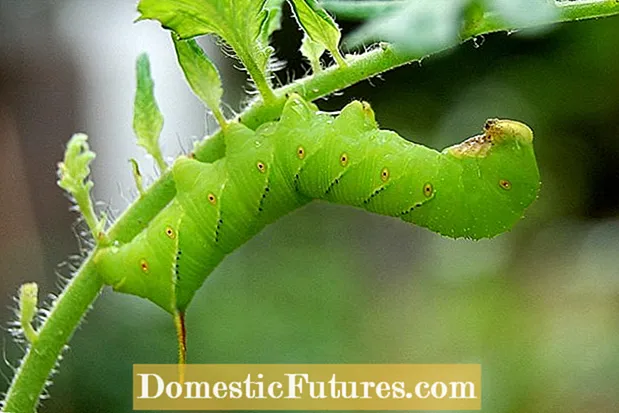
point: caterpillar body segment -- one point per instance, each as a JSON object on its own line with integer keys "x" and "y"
{"x": 146, "y": 266}
{"x": 475, "y": 189}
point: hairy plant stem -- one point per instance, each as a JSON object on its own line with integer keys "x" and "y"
{"x": 67, "y": 311}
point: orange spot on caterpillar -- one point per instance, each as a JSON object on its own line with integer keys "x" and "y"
{"x": 169, "y": 231}
{"x": 505, "y": 184}
{"x": 384, "y": 174}
{"x": 344, "y": 159}
{"x": 144, "y": 266}
{"x": 428, "y": 190}
{"x": 212, "y": 199}
{"x": 261, "y": 167}
{"x": 301, "y": 152}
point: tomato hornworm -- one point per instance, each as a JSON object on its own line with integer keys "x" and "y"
{"x": 476, "y": 189}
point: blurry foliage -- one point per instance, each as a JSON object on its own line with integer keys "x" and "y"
{"x": 425, "y": 26}
{"x": 538, "y": 307}
{"x": 417, "y": 26}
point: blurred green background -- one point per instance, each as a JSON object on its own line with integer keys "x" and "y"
{"x": 537, "y": 307}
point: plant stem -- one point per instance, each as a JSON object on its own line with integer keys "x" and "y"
{"x": 71, "y": 306}
{"x": 257, "y": 75}
{"x": 334, "y": 78}
{"x": 574, "y": 11}
{"x": 80, "y": 293}
{"x": 84, "y": 204}
{"x": 568, "y": 11}
{"x": 158, "y": 156}
{"x": 41, "y": 357}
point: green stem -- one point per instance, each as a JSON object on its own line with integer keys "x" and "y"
{"x": 592, "y": 10}
{"x": 313, "y": 87}
{"x": 158, "y": 156}
{"x": 570, "y": 11}
{"x": 71, "y": 306}
{"x": 257, "y": 75}
{"x": 263, "y": 86}
{"x": 220, "y": 118}
{"x": 41, "y": 357}
{"x": 84, "y": 204}
{"x": 80, "y": 293}
{"x": 339, "y": 59}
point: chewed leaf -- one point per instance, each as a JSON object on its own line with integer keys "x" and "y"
{"x": 147, "y": 118}
{"x": 319, "y": 26}
{"x": 244, "y": 24}
{"x": 201, "y": 74}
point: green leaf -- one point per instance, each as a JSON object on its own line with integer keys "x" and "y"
{"x": 73, "y": 174}
{"x": 424, "y": 26}
{"x": 74, "y": 170}
{"x": 137, "y": 176}
{"x": 524, "y": 13}
{"x": 312, "y": 51}
{"x": 147, "y": 118}
{"x": 201, "y": 74}
{"x": 319, "y": 26}
{"x": 362, "y": 10}
{"x": 272, "y": 21}
{"x": 244, "y": 24}
{"x": 28, "y": 297}
{"x": 420, "y": 27}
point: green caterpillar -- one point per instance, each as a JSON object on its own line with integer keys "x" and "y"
{"x": 476, "y": 189}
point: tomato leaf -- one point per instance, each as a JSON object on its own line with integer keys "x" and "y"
{"x": 319, "y": 26}
{"x": 201, "y": 74}
{"x": 244, "y": 24}
{"x": 147, "y": 118}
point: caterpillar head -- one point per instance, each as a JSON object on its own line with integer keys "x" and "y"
{"x": 499, "y": 174}
{"x": 485, "y": 184}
